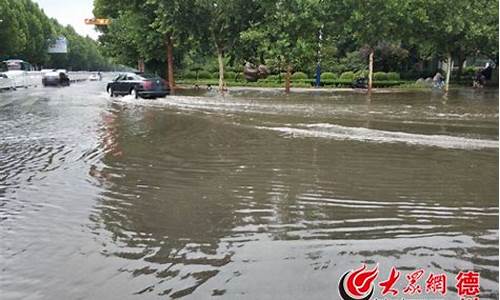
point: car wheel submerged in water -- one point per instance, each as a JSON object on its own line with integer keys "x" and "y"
{"x": 133, "y": 93}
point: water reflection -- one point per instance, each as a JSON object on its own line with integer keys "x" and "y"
{"x": 206, "y": 206}
{"x": 256, "y": 194}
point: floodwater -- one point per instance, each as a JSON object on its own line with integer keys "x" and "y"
{"x": 255, "y": 195}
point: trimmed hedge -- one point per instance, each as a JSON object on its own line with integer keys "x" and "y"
{"x": 337, "y": 83}
{"x": 380, "y": 76}
{"x": 299, "y": 75}
{"x": 204, "y": 75}
{"x": 273, "y": 78}
{"x": 189, "y": 75}
{"x": 361, "y": 74}
{"x": 230, "y": 75}
{"x": 328, "y": 76}
{"x": 393, "y": 76}
{"x": 347, "y": 75}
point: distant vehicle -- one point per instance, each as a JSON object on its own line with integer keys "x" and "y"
{"x": 6, "y": 83}
{"x": 94, "y": 77}
{"x": 138, "y": 85}
{"x": 16, "y": 70}
{"x": 55, "y": 78}
{"x": 44, "y": 71}
{"x": 15, "y": 65}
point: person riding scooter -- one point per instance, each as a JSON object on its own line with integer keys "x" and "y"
{"x": 482, "y": 76}
{"x": 438, "y": 80}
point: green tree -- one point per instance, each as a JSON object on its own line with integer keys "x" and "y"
{"x": 12, "y": 32}
{"x": 372, "y": 22}
{"x": 174, "y": 19}
{"x": 457, "y": 29}
{"x": 223, "y": 21}
{"x": 146, "y": 27}
{"x": 289, "y": 33}
{"x": 26, "y": 33}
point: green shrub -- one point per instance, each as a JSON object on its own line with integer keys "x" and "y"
{"x": 299, "y": 75}
{"x": 204, "y": 75}
{"x": 380, "y": 76}
{"x": 393, "y": 76}
{"x": 239, "y": 76}
{"x": 347, "y": 75}
{"x": 361, "y": 74}
{"x": 212, "y": 67}
{"x": 230, "y": 75}
{"x": 387, "y": 83}
{"x": 215, "y": 75}
{"x": 274, "y": 78}
{"x": 189, "y": 75}
{"x": 328, "y": 76}
{"x": 470, "y": 71}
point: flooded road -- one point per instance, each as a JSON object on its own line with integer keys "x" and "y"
{"x": 255, "y": 195}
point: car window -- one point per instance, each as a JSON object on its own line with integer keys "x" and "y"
{"x": 129, "y": 77}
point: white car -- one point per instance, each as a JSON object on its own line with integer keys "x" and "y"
{"x": 94, "y": 77}
{"x": 55, "y": 78}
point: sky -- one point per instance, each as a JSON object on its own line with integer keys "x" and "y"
{"x": 70, "y": 12}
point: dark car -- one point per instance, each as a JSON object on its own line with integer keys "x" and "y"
{"x": 55, "y": 78}
{"x": 359, "y": 83}
{"x": 138, "y": 85}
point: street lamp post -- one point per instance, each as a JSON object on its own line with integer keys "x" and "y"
{"x": 318, "y": 66}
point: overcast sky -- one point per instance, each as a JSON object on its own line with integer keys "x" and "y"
{"x": 70, "y": 12}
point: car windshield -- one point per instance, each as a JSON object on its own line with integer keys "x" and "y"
{"x": 119, "y": 77}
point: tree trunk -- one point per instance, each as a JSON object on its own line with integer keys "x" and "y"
{"x": 370, "y": 70}
{"x": 170, "y": 62}
{"x": 140, "y": 65}
{"x": 449, "y": 67}
{"x": 288, "y": 78}
{"x": 461, "y": 61}
{"x": 220, "y": 56}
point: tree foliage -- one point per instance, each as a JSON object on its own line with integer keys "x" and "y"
{"x": 281, "y": 33}
{"x": 26, "y": 33}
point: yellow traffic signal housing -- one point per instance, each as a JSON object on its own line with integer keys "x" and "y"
{"x": 99, "y": 22}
